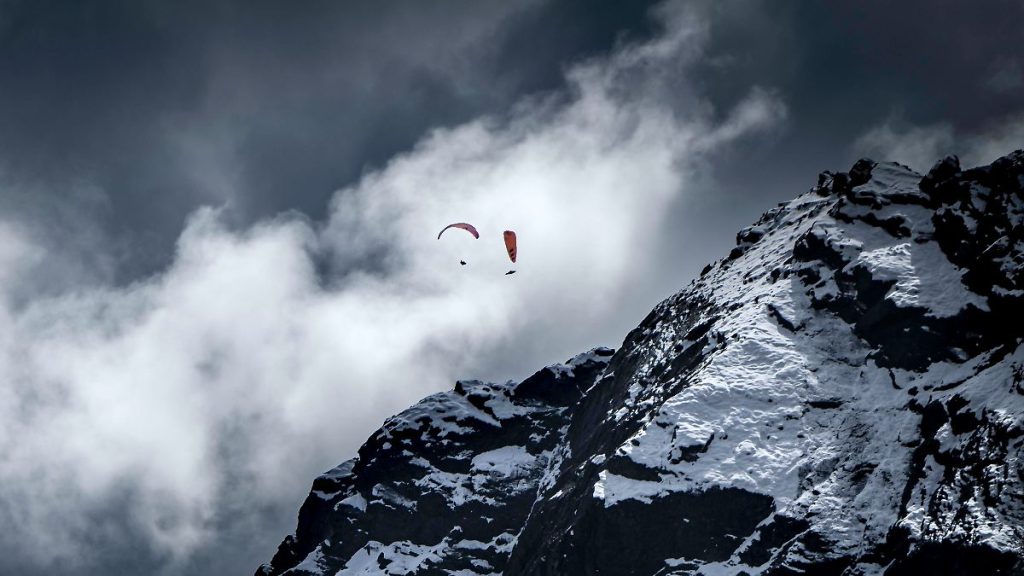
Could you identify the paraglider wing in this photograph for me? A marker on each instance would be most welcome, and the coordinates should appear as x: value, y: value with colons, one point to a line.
x: 510, y: 244
x: 467, y: 227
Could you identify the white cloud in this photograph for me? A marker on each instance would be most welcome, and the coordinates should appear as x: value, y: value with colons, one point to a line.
x: 995, y: 142
x: 921, y: 146
x: 239, y: 372
x: 915, y: 146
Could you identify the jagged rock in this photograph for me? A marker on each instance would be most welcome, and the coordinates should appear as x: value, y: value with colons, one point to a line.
x: 841, y: 183
x: 942, y: 171
x: 449, y: 481
x: 941, y: 183
x: 861, y: 172
x: 844, y: 394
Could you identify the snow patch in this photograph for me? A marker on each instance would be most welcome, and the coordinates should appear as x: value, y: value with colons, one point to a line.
x: 924, y: 278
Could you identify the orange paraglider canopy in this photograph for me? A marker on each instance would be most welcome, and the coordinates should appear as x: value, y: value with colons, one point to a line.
x: 510, y: 244
x: 467, y: 227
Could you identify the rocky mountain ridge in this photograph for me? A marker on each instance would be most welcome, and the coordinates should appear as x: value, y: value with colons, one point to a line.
x: 842, y: 394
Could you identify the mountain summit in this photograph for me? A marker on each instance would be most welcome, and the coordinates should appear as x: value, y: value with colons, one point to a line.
x: 842, y: 394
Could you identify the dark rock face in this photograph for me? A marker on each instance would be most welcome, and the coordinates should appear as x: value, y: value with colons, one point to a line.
x: 449, y: 481
x: 842, y: 394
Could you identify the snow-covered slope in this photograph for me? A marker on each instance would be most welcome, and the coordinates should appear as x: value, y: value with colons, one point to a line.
x: 842, y: 394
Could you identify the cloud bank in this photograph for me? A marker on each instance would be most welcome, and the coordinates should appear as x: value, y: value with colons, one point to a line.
x: 173, y: 424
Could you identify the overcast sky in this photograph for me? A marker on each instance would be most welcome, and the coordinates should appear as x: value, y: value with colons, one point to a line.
x: 218, y: 264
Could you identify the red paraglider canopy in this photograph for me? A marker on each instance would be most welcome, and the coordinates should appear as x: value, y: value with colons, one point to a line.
x: 510, y: 244
x: 467, y: 227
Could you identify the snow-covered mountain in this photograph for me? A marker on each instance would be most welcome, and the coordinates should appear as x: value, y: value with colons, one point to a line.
x: 842, y: 394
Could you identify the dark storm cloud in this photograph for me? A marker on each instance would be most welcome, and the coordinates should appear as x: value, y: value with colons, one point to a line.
x: 135, y: 113
x: 157, y: 108
x: 843, y: 68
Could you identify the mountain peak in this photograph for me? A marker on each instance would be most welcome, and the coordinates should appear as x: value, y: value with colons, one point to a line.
x: 843, y: 393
